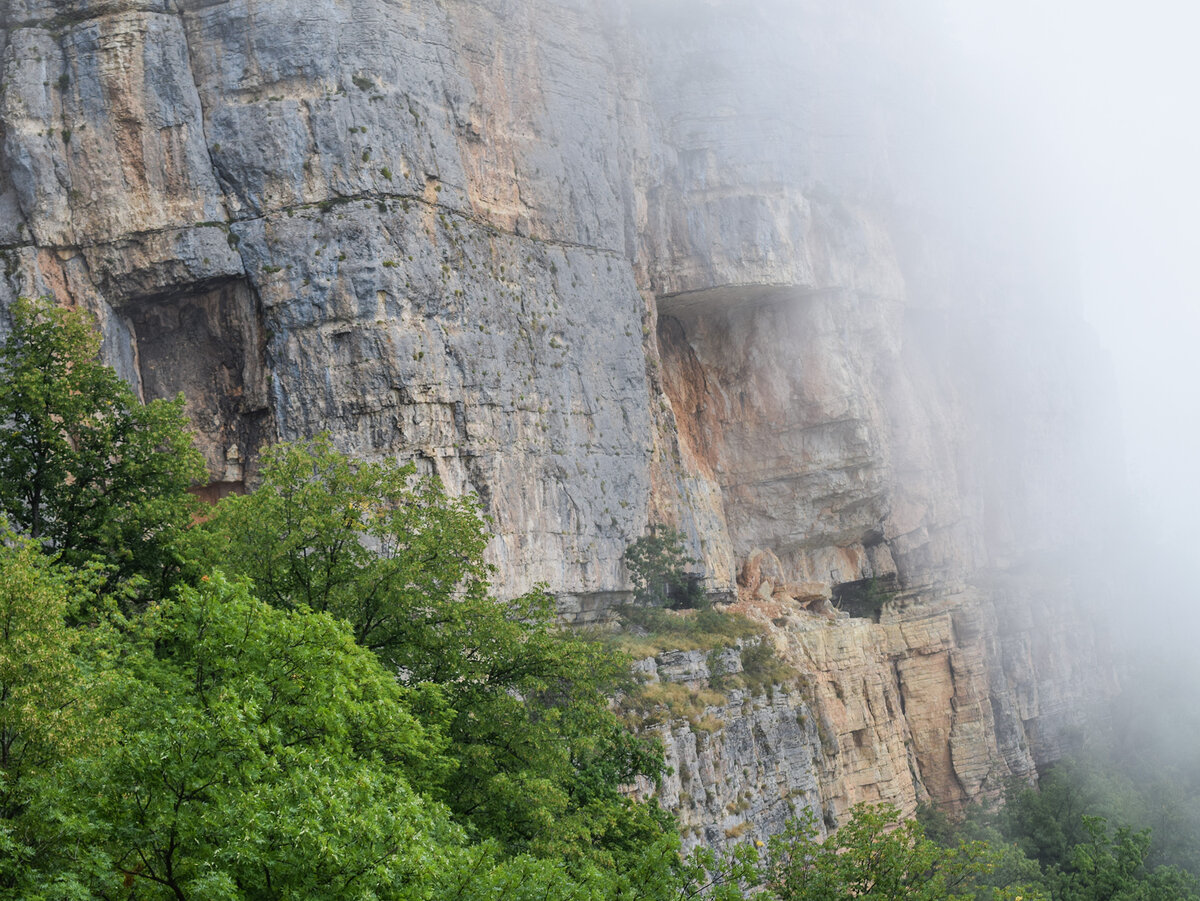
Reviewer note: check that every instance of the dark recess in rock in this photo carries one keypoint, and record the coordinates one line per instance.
(208, 343)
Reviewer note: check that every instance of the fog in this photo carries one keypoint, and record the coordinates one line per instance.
(1109, 90)
(1099, 102)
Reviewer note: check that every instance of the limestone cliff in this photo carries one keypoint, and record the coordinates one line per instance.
(609, 263)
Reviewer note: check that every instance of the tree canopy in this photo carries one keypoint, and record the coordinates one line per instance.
(84, 467)
(229, 749)
(538, 756)
(658, 565)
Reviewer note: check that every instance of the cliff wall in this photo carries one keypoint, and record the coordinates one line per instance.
(608, 264)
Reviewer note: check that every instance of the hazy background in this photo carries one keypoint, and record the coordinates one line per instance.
(1099, 103)
(1106, 97)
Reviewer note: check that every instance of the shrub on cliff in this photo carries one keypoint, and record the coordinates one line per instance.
(658, 566)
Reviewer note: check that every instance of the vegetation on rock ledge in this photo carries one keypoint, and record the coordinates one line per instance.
(658, 565)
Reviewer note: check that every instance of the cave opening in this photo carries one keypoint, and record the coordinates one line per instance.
(208, 342)
(774, 399)
(866, 598)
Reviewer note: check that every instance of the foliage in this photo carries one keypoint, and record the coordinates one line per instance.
(875, 854)
(1064, 825)
(1047, 822)
(658, 566)
(38, 706)
(230, 714)
(1146, 770)
(1051, 836)
(42, 703)
(762, 668)
(978, 823)
(650, 630)
(1111, 867)
(724, 877)
(538, 756)
(84, 467)
(369, 543)
(234, 750)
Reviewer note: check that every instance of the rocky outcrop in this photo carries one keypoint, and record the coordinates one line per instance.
(605, 264)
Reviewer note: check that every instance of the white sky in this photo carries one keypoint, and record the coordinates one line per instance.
(1112, 90)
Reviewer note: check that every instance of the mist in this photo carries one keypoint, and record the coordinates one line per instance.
(1110, 94)
(1084, 117)
(893, 296)
(1094, 105)
(1091, 105)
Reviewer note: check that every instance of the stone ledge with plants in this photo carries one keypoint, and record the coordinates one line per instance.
(690, 658)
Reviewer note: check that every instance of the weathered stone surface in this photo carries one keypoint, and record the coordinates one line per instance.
(748, 777)
(745, 767)
(605, 264)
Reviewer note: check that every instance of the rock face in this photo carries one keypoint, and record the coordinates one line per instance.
(607, 264)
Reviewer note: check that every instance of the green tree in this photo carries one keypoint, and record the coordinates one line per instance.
(539, 757)
(1110, 866)
(242, 751)
(215, 747)
(658, 565)
(39, 703)
(45, 709)
(84, 467)
(877, 855)
(1008, 865)
(1078, 856)
(1047, 821)
(370, 543)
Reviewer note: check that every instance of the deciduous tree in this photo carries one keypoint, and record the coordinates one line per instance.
(539, 757)
(243, 751)
(878, 855)
(84, 467)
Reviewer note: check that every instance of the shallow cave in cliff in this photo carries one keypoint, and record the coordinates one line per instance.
(207, 342)
(688, 385)
(771, 395)
(865, 598)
